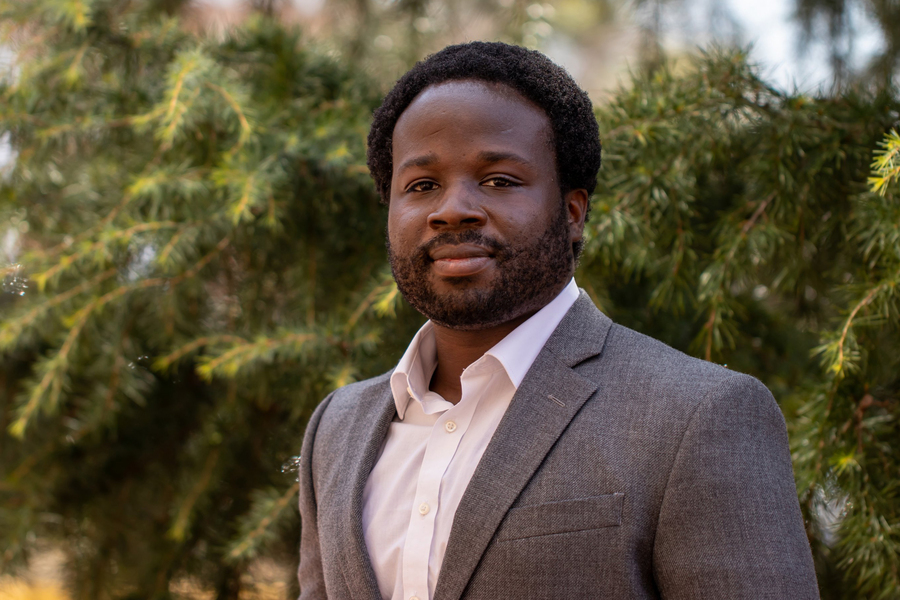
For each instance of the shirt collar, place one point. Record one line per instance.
(415, 368)
(516, 352)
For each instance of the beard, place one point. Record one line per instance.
(527, 278)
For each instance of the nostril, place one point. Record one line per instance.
(457, 209)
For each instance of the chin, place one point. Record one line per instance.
(476, 309)
(467, 326)
(523, 280)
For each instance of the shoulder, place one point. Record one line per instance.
(347, 404)
(629, 349)
(355, 395)
(352, 398)
(648, 371)
(631, 362)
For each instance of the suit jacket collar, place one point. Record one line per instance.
(549, 397)
(581, 334)
(369, 426)
(544, 404)
(516, 352)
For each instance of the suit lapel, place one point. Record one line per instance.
(549, 397)
(370, 425)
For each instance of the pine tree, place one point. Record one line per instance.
(200, 259)
(737, 223)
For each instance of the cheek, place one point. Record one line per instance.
(527, 218)
(402, 228)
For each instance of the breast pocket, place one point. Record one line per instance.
(565, 516)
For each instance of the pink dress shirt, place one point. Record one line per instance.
(432, 448)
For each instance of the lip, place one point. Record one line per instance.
(460, 260)
(458, 251)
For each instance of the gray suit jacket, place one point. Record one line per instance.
(654, 474)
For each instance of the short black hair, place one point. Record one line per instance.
(576, 136)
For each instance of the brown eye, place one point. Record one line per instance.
(500, 182)
(422, 186)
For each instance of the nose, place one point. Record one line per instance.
(458, 209)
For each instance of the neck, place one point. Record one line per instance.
(457, 349)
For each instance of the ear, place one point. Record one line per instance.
(576, 202)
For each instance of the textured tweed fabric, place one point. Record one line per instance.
(648, 474)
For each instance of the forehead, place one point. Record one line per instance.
(476, 109)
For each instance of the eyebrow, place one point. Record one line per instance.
(487, 156)
(495, 157)
(418, 161)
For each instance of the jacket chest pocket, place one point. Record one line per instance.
(564, 516)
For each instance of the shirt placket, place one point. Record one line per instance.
(442, 444)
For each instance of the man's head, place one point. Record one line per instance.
(485, 213)
(576, 137)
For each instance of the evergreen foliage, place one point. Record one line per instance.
(200, 255)
(201, 259)
(737, 223)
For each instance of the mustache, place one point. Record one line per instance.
(469, 236)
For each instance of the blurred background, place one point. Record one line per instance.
(192, 256)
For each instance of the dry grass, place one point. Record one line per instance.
(266, 580)
(19, 589)
(43, 581)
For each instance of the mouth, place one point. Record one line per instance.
(460, 260)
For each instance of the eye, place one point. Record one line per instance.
(500, 182)
(422, 186)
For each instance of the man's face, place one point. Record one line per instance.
(478, 232)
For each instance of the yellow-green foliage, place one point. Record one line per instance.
(199, 259)
(202, 262)
(737, 222)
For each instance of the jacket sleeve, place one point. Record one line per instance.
(310, 573)
(730, 524)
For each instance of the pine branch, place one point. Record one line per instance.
(173, 241)
(178, 530)
(245, 125)
(838, 366)
(384, 289)
(51, 382)
(248, 542)
(118, 235)
(232, 361)
(886, 163)
(109, 218)
(168, 360)
(386, 304)
(186, 68)
(711, 327)
(11, 330)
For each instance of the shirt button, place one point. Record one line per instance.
(450, 426)
(409, 391)
(423, 510)
(413, 598)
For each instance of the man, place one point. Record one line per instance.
(526, 446)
